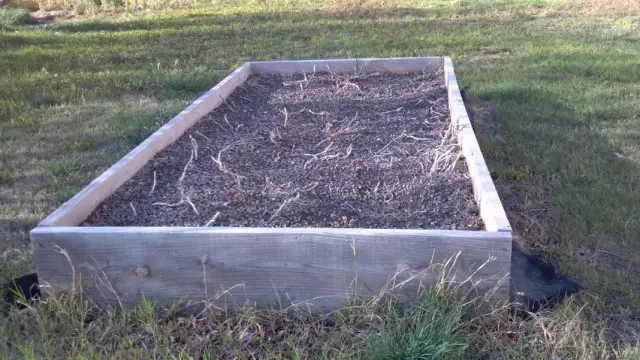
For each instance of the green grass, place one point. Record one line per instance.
(554, 94)
(13, 17)
(376, 328)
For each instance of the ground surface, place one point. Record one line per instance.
(554, 89)
(319, 150)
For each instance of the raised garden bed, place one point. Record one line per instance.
(289, 180)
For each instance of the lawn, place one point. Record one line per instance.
(553, 89)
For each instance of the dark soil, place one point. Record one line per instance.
(321, 150)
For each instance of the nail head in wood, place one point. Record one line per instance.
(143, 271)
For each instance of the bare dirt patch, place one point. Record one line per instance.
(312, 150)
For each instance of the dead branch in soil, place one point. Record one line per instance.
(194, 155)
(133, 208)
(224, 169)
(274, 137)
(441, 155)
(391, 142)
(319, 113)
(213, 220)
(455, 161)
(227, 103)
(346, 84)
(227, 121)
(153, 187)
(194, 143)
(348, 127)
(286, 116)
(203, 135)
(402, 135)
(184, 199)
(220, 126)
(349, 150)
(391, 111)
(317, 156)
(284, 204)
(190, 203)
(304, 81)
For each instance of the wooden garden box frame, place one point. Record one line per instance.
(322, 266)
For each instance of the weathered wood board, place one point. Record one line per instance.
(261, 264)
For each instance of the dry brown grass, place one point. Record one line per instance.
(444, 324)
(612, 7)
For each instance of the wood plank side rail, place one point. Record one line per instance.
(261, 264)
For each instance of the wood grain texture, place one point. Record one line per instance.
(261, 264)
(486, 195)
(392, 65)
(83, 203)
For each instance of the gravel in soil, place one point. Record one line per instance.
(311, 150)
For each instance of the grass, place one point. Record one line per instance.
(369, 328)
(14, 17)
(554, 89)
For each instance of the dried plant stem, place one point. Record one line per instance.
(391, 142)
(391, 111)
(349, 150)
(153, 187)
(194, 144)
(193, 206)
(194, 155)
(133, 208)
(286, 116)
(316, 156)
(342, 130)
(213, 219)
(203, 135)
(438, 158)
(227, 121)
(283, 205)
(183, 200)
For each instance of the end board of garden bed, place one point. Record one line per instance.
(319, 266)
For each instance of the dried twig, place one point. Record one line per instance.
(184, 199)
(193, 206)
(220, 126)
(274, 137)
(349, 150)
(203, 135)
(391, 111)
(284, 204)
(213, 219)
(435, 112)
(316, 156)
(416, 138)
(345, 128)
(194, 143)
(455, 161)
(226, 103)
(133, 208)
(438, 158)
(318, 113)
(286, 116)
(153, 187)
(227, 121)
(391, 142)
(347, 83)
(194, 155)
(168, 204)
